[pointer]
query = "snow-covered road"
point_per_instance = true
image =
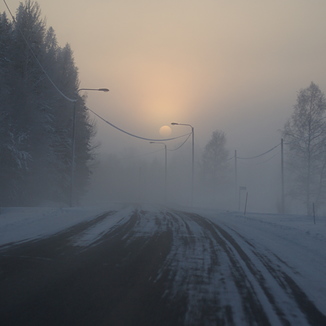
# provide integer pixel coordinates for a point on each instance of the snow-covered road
(147, 265)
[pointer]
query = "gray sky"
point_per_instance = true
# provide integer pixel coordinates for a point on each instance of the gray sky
(217, 64)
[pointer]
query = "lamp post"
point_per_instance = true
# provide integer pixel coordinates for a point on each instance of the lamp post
(193, 156)
(73, 141)
(166, 168)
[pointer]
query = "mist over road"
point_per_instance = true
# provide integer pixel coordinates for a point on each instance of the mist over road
(150, 266)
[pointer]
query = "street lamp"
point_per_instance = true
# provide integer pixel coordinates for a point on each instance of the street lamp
(166, 168)
(74, 136)
(193, 156)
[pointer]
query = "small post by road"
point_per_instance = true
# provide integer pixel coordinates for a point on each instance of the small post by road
(245, 209)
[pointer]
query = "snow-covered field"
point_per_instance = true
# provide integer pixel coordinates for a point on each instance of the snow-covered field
(276, 263)
(26, 223)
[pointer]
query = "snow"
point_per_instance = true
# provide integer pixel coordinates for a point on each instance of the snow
(94, 233)
(21, 224)
(292, 241)
(276, 246)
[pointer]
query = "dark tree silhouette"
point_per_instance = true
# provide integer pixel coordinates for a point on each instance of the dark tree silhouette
(35, 119)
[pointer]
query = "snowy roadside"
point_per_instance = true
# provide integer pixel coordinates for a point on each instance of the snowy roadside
(18, 224)
(291, 225)
(291, 241)
(24, 223)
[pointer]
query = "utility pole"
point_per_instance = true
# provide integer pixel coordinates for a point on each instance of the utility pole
(235, 178)
(192, 157)
(165, 168)
(282, 176)
(192, 165)
(73, 140)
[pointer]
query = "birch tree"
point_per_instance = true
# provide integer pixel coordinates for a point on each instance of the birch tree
(305, 136)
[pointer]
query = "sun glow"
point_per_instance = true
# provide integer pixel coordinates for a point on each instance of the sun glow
(165, 131)
(160, 90)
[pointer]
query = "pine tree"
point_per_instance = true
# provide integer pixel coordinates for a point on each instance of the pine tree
(35, 119)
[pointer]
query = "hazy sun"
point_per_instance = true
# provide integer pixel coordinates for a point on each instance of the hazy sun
(165, 131)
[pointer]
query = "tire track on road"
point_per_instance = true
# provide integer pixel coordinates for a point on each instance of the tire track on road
(307, 307)
(150, 267)
(263, 280)
(191, 265)
(312, 314)
(254, 312)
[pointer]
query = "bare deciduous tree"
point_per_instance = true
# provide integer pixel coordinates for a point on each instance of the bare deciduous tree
(305, 137)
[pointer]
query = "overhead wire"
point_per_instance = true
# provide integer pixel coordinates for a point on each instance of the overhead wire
(134, 135)
(75, 99)
(112, 125)
(231, 158)
(174, 149)
(269, 159)
(106, 121)
(256, 156)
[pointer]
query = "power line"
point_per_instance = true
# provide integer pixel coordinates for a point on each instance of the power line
(248, 164)
(269, 159)
(262, 154)
(133, 135)
(112, 125)
(171, 150)
(74, 100)
(231, 158)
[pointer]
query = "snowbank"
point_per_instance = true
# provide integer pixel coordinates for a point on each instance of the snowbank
(25, 223)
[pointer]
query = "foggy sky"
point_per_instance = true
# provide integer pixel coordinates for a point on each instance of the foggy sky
(236, 66)
(230, 65)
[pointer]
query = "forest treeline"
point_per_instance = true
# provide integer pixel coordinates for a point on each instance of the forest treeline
(35, 119)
